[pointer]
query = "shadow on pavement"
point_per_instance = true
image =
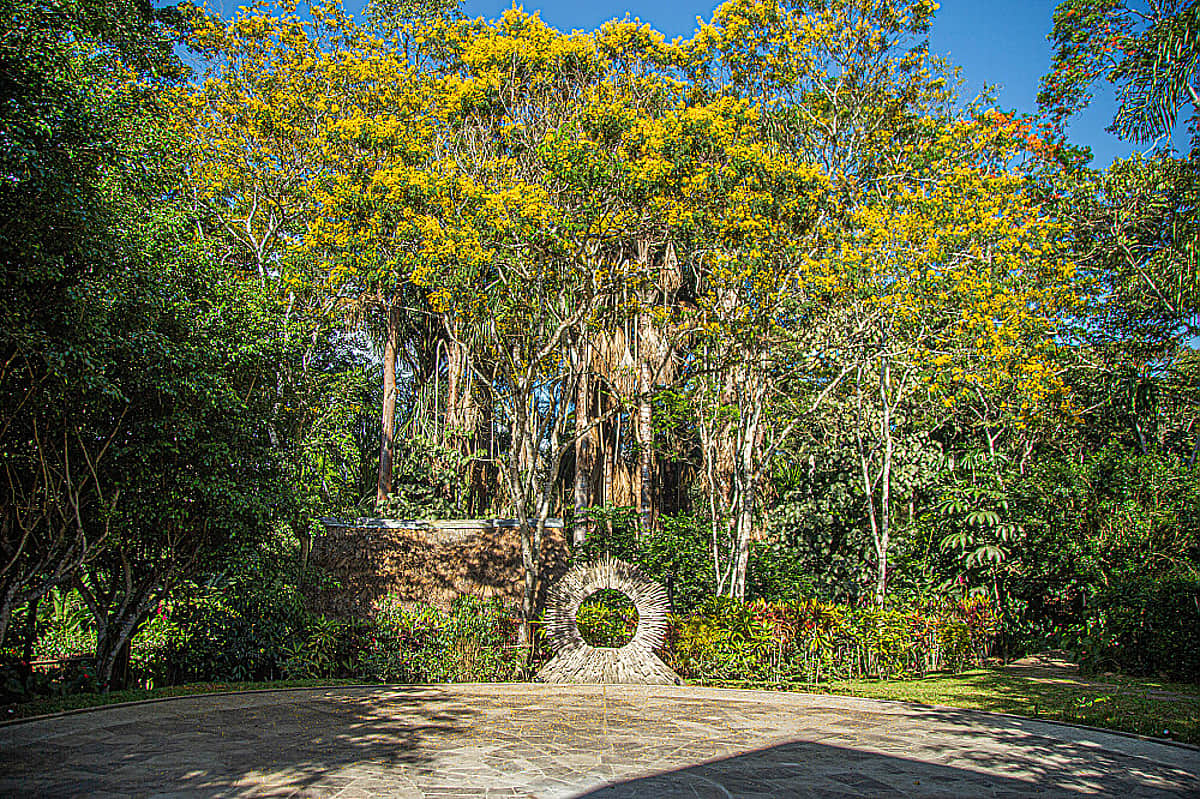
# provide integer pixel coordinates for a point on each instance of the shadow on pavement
(806, 769)
(245, 743)
(554, 741)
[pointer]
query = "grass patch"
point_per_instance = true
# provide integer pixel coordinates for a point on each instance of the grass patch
(1144, 707)
(57, 704)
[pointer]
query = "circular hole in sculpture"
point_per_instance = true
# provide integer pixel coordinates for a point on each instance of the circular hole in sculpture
(607, 618)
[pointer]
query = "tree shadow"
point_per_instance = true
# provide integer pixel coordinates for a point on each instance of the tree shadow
(810, 769)
(1082, 758)
(1115, 705)
(559, 741)
(235, 744)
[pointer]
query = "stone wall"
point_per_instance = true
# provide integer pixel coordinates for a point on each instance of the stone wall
(357, 562)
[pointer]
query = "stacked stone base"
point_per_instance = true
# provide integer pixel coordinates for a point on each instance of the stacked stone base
(593, 665)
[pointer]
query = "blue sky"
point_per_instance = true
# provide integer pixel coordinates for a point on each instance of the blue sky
(998, 42)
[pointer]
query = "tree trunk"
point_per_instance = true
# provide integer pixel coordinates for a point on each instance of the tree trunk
(482, 489)
(453, 430)
(7, 604)
(516, 468)
(719, 437)
(878, 503)
(745, 482)
(113, 652)
(118, 612)
(585, 446)
(121, 675)
(611, 440)
(744, 528)
(530, 566)
(462, 423)
(388, 427)
(885, 487)
(644, 427)
(708, 450)
(30, 630)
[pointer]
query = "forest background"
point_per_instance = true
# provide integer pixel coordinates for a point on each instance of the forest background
(771, 310)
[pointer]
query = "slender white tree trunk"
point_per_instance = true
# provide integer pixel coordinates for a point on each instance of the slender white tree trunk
(885, 480)
(383, 485)
(750, 398)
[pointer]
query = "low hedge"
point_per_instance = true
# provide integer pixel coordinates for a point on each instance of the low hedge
(810, 641)
(800, 641)
(215, 635)
(474, 642)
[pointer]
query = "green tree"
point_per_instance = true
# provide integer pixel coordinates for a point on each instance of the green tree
(1149, 51)
(136, 364)
(1133, 226)
(78, 80)
(196, 473)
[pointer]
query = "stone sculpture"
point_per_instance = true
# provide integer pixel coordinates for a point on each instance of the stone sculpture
(575, 661)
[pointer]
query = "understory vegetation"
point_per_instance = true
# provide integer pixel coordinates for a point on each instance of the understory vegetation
(879, 381)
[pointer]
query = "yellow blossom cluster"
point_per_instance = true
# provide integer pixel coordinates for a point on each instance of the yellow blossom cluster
(495, 164)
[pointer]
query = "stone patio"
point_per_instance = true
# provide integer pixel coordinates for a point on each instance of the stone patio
(555, 741)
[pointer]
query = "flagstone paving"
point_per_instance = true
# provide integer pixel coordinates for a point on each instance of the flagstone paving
(527, 740)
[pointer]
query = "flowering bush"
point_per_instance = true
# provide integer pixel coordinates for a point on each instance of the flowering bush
(474, 642)
(808, 640)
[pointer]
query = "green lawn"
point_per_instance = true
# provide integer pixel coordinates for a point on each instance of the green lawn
(1146, 707)
(57, 704)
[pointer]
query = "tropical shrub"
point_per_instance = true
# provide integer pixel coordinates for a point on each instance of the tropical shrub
(474, 642)
(809, 640)
(1112, 524)
(724, 640)
(327, 647)
(607, 618)
(20, 683)
(65, 627)
(218, 634)
(1146, 627)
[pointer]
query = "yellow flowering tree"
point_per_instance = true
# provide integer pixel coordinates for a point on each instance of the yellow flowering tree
(955, 281)
(254, 126)
(311, 164)
(551, 151)
(781, 209)
(829, 84)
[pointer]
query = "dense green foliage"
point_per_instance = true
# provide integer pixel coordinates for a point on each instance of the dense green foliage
(231, 634)
(843, 445)
(676, 555)
(1145, 626)
(237, 625)
(133, 441)
(607, 618)
(474, 642)
(810, 641)
(1116, 521)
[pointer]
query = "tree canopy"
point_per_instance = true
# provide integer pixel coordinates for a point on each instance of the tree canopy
(775, 285)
